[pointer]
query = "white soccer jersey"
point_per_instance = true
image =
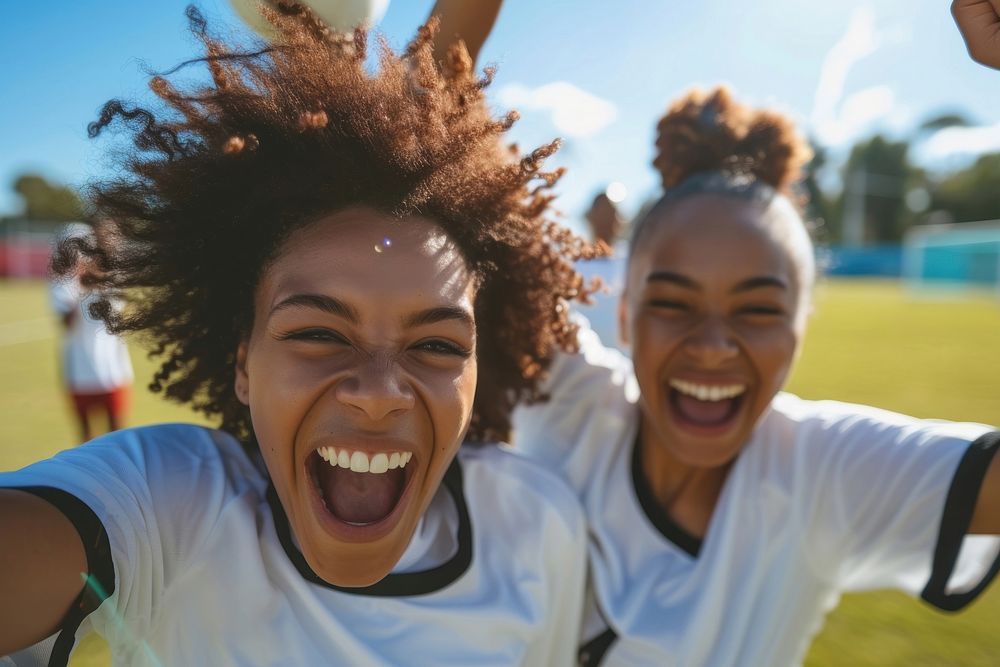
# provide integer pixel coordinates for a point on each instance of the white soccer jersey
(93, 361)
(825, 497)
(206, 572)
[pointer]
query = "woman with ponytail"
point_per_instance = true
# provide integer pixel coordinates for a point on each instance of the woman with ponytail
(726, 516)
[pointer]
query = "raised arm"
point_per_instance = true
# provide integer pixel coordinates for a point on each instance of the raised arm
(468, 20)
(979, 23)
(41, 567)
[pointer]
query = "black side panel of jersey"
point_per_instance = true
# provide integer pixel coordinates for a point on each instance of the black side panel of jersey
(100, 581)
(591, 653)
(958, 509)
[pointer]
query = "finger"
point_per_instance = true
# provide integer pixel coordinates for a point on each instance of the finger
(979, 23)
(972, 14)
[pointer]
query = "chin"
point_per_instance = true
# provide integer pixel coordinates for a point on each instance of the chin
(348, 566)
(705, 454)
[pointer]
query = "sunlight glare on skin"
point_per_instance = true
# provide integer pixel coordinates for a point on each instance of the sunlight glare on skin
(91, 582)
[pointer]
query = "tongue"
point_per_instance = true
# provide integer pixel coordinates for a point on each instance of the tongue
(707, 413)
(360, 497)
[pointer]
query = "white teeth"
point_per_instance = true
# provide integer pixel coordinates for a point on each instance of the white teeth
(358, 461)
(379, 464)
(708, 392)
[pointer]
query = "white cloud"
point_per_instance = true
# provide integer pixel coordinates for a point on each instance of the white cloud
(839, 118)
(955, 142)
(866, 110)
(860, 40)
(573, 111)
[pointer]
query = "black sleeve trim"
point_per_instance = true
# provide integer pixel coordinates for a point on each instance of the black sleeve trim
(100, 577)
(958, 509)
(592, 653)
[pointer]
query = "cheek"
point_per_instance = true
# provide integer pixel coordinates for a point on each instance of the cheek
(654, 336)
(465, 392)
(772, 350)
(283, 386)
(449, 397)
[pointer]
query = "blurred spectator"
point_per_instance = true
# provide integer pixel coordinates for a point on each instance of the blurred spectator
(96, 368)
(607, 225)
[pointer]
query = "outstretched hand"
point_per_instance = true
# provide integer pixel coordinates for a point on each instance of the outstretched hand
(979, 23)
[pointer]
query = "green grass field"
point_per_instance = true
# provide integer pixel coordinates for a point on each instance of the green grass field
(868, 343)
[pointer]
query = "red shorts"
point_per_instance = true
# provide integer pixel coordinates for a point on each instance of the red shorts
(114, 402)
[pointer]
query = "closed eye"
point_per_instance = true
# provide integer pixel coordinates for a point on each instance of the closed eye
(315, 335)
(439, 346)
(668, 304)
(762, 310)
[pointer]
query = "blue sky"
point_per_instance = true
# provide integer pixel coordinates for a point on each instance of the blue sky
(598, 73)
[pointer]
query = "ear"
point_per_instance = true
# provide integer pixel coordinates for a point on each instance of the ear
(623, 333)
(242, 382)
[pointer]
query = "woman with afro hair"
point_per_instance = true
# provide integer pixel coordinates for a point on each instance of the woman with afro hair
(357, 280)
(726, 516)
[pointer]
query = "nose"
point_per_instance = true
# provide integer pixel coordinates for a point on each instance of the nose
(712, 343)
(377, 388)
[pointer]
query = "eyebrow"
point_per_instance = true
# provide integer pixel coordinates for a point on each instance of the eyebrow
(329, 304)
(671, 277)
(681, 280)
(440, 314)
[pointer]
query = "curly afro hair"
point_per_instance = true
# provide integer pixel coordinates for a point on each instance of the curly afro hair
(215, 176)
(711, 131)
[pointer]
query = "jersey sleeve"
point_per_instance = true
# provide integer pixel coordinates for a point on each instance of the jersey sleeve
(888, 501)
(153, 494)
(578, 386)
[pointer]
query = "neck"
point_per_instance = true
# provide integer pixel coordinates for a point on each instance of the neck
(688, 494)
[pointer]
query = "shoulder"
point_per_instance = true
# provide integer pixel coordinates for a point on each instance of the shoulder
(834, 435)
(170, 458)
(519, 484)
(170, 443)
(837, 419)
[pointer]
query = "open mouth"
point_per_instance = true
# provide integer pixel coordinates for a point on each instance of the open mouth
(360, 488)
(701, 407)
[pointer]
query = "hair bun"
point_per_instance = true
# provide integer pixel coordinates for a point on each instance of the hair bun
(711, 131)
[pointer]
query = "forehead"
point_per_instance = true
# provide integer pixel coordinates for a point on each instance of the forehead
(714, 239)
(370, 257)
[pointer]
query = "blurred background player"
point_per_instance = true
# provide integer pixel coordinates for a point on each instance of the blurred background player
(96, 369)
(607, 226)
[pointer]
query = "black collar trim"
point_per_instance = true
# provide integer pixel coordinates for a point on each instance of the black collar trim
(393, 585)
(666, 526)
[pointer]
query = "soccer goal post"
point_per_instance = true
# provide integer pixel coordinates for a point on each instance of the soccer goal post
(958, 256)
